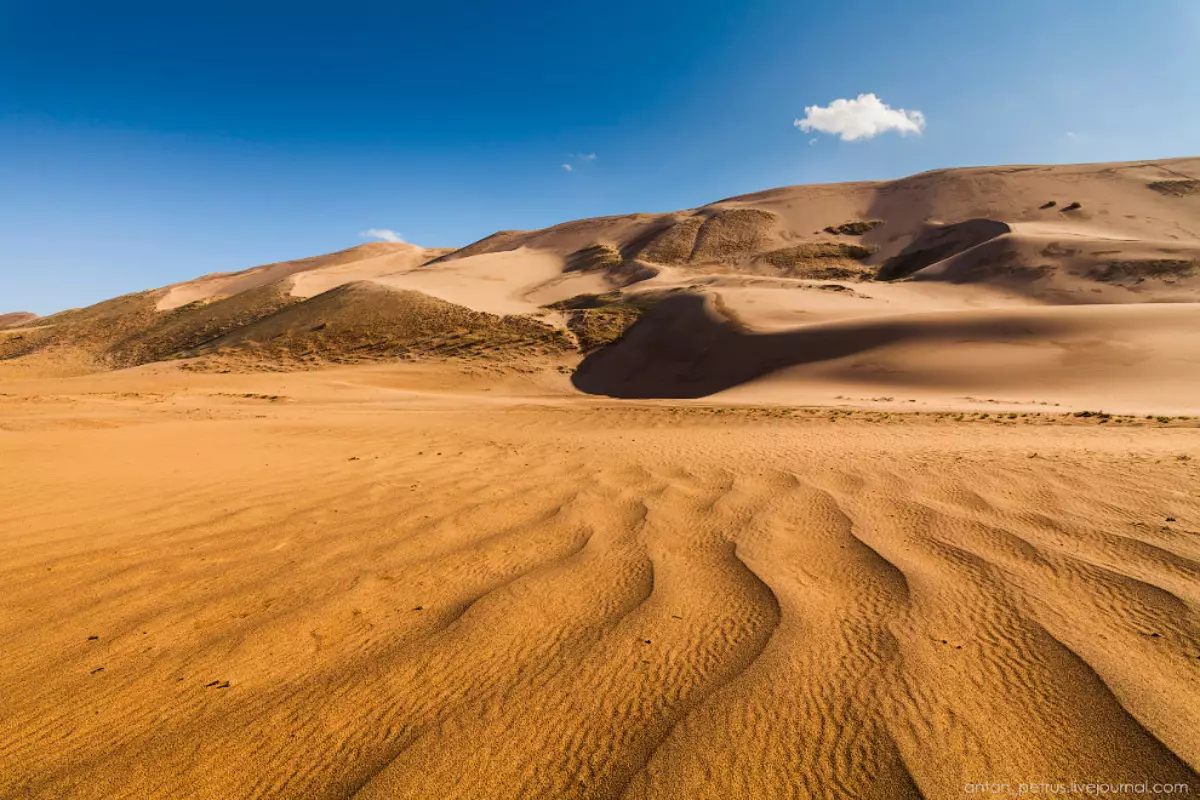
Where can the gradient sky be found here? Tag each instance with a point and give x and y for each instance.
(143, 143)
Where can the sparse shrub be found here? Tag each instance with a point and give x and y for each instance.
(601, 319)
(594, 258)
(1136, 271)
(854, 227)
(733, 233)
(819, 260)
(673, 244)
(1176, 188)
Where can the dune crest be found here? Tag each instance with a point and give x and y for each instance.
(846, 261)
(15, 318)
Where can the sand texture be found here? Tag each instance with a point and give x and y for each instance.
(874, 490)
(322, 585)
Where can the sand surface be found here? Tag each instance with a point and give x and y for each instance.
(412, 582)
(876, 490)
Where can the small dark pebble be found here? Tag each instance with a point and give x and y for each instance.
(419, 608)
(353, 458)
(647, 641)
(97, 669)
(1170, 519)
(217, 685)
(93, 638)
(1154, 635)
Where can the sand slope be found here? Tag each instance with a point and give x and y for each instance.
(305, 277)
(890, 287)
(1134, 357)
(15, 318)
(366, 321)
(874, 490)
(347, 584)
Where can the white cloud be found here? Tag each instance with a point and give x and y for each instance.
(582, 158)
(812, 141)
(382, 234)
(864, 117)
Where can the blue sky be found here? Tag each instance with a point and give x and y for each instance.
(143, 143)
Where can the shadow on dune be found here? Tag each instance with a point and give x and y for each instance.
(939, 242)
(685, 348)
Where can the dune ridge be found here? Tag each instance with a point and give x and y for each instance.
(859, 257)
(15, 318)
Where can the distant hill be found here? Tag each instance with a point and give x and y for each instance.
(954, 241)
(15, 318)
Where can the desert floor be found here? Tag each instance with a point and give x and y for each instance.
(375, 583)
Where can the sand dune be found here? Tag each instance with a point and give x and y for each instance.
(969, 241)
(367, 321)
(880, 490)
(15, 318)
(397, 258)
(1112, 355)
(309, 275)
(497, 283)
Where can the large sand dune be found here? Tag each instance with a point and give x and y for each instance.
(978, 244)
(880, 490)
(1136, 357)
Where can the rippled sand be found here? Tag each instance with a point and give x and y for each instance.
(305, 586)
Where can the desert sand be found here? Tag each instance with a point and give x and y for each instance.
(715, 504)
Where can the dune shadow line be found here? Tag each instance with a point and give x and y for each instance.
(684, 348)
